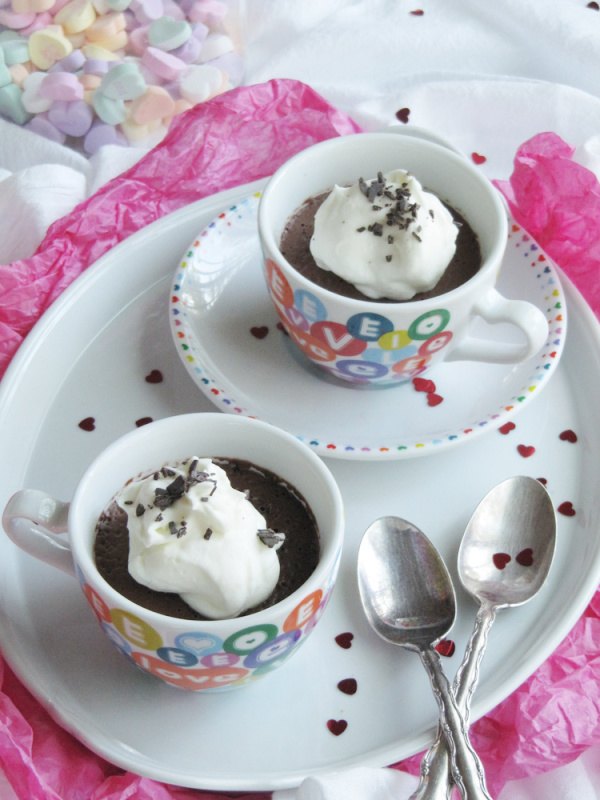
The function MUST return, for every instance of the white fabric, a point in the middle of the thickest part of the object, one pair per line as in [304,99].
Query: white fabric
[485,76]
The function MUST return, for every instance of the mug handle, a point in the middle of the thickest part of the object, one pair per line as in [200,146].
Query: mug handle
[494,308]
[37,523]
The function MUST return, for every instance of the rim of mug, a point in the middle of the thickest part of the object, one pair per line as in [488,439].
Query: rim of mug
[330,552]
[490,263]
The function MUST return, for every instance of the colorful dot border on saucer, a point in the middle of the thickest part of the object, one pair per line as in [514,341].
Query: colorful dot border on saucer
[543,367]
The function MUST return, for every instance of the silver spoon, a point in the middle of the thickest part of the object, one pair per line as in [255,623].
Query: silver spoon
[409,600]
[503,561]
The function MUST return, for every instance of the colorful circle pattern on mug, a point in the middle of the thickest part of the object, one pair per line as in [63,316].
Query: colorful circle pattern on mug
[198,660]
[366,347]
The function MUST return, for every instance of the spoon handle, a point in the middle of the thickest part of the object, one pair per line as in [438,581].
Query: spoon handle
[436,778]
[467,769]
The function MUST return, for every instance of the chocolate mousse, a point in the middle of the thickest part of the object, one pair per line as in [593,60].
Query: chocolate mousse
[280,504]
[299,229]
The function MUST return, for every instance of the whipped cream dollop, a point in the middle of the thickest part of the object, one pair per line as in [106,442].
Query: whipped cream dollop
[387,236]
[192,533]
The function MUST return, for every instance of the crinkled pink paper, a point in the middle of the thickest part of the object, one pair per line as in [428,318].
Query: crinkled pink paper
[558,202]
[236,138]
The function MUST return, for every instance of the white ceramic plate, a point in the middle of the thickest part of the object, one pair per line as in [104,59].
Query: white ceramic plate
[92,360]
[229,339]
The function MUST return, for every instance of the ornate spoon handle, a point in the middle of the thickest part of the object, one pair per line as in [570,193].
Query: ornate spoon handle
[467,769]
[436,776]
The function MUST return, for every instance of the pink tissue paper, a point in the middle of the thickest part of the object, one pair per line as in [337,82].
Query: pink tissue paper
[558,202]
[235,138]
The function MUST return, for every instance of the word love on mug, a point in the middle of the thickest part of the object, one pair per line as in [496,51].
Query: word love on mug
[366,346]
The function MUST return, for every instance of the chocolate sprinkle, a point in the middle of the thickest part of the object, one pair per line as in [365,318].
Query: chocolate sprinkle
[178,532]
[270,537]
[139,510]
[208,533]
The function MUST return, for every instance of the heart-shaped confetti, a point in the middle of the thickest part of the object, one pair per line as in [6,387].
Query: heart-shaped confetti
[566,509]
[477,158]
[434,399]
[424,385]
[155,376]
[337,726]
[526,450]
[507,428]
[403,114]
[259,331]
[88,424]
[348,686]
[344,640]
[525,557]
[568,436]
[501,560]
[445,647]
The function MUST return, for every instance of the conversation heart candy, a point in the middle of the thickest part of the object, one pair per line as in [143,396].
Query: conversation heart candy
[147,10]
[189,51]
[11,104]
[215,45]
[105,27]
[72,118]
[94,66]
[164,65]
[43,127]
[199,82]
[41,21]
[139,133]
[123,82]
[76,16]
[101,134]
[47,46]
[114,43]
[15,51]
[18,73]
[155,104]
[15,21]
[110,110]
[167,33]
[61,86]
[31,6]
[97,53]
[90,81]
[33,100]
[210,12]
[71,63]
[138,40]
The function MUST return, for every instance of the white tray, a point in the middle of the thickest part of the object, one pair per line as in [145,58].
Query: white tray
[88,358]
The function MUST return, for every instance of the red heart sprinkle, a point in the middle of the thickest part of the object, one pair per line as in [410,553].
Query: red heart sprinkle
[434,399]
[507,427]
[526,450]
[215,391]
[403,114]
[543,481]
[525,557]
[337,726]
[566,509]
[423,385]
[501,560]
[280,327]
[568,436]
[87,424]
[259,331]
[142,421]
[445,647]
[478,158]
[344,640]
[331,447]
[348,686]
[155,376]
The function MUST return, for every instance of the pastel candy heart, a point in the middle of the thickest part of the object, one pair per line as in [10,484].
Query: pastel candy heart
[139,133]
[96,52]
[43,127]
[162,64]
[31,6]
[11,104]
[189,51]
[110,110]
[215,45]
[154,105]
[71,63]
[100,135]
[41,21]
[123,82]
[199,82]
[210,12]
[116,42]
[18,73]
[147,10]
[200,31]
[105,27]
[138,40]
[94,66]
[76,16]
[168,34]
[74,118]
[15,51]
[61,86]
[90,82]
[15,21]
[48,46]
[33,100]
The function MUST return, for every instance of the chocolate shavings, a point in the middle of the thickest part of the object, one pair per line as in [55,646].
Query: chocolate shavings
[178,532]
[271,538]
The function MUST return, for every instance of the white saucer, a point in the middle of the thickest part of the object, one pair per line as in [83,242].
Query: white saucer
[228,336]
